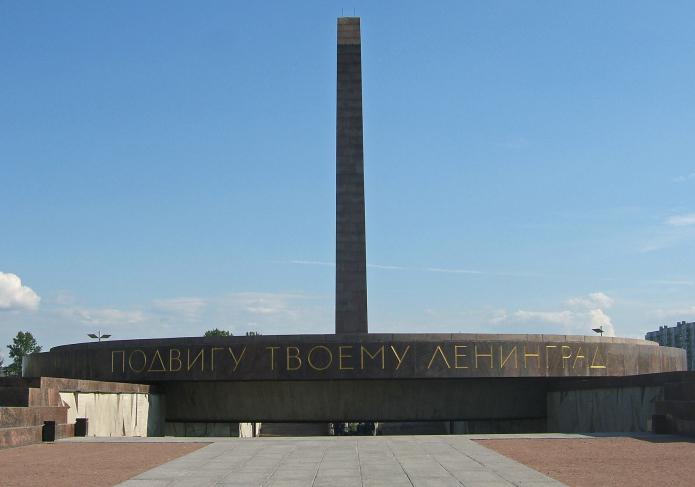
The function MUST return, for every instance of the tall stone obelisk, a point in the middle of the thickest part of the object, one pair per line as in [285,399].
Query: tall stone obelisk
[350,242]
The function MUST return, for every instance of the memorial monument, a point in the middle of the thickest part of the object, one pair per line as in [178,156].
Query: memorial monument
[350,242]
[352,374]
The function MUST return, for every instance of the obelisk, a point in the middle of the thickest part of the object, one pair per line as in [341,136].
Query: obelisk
[350,243]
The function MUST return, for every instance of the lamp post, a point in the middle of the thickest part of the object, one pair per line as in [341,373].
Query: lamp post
[598,330]
[98,336]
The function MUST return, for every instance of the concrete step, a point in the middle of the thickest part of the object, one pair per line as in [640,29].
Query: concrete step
[676,409]
[32,416]
[680,391]
[65,430]
[294,429]
[28,435]
[20,436]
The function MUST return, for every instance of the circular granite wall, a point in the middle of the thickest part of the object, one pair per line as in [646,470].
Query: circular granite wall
[352,357]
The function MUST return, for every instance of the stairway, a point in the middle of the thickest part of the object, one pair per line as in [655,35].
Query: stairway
[675,414]
[24,406]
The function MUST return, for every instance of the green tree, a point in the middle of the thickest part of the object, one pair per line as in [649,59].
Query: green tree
[217,333]
[22,345]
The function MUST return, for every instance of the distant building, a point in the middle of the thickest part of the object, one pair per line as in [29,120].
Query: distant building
[681,336]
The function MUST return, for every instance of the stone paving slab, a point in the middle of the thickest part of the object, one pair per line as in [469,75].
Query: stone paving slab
[412,461]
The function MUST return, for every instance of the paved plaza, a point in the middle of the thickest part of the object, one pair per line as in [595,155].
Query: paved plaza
[430,461]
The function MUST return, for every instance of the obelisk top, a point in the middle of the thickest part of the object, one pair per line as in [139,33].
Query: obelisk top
[349,30]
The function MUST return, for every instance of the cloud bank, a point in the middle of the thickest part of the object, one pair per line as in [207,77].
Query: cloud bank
[681,220]
[579,316]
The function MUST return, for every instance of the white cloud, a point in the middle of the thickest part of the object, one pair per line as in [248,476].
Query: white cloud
[185,307]
[684,178]
[681,220]
[63,298]
[447,270]
[593,300]
[675,230]
[452,271]
[16,296]
[676,313]
[313,262]
[387,267]
[584,313]
[560,317]
[266,304]
[104,316]
[669,282]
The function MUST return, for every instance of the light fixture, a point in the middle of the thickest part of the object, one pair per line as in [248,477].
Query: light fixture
[98,336]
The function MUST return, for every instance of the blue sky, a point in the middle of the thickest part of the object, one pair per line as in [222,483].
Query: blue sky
[169,167]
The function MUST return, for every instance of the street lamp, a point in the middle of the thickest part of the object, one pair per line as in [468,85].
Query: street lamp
[598,330]
[99,336]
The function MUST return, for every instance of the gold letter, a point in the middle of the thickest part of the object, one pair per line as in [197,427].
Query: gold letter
[157,356]
[489,355]
[144,361]
[537,356]
[272,356]
[364,350]
[237,361]
[516,357]
[547,355]
[577,357]
[295,357]
[566,357]
[457,355]
[402,357]
[212,357]
[311,363]
[594,365]
[122,352]
[341,357]
[201,356]
[439,349]
[172,358]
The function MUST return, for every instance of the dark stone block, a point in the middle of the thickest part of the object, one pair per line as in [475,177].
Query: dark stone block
[660,424]
[81,426]
[48,432]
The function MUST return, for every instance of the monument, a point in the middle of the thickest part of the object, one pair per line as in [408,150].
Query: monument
[350,242]
[352,374]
